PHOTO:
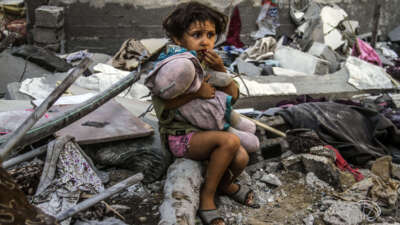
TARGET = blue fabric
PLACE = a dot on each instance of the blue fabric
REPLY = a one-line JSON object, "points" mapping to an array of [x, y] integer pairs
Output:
{"points": [[228, 112], [173, 50]]}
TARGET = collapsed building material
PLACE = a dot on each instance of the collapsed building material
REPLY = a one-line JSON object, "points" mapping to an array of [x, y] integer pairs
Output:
{"points": [[49, 16], [291, 58], [42, 57], [325, 52], [181, 193], [81, 110], [394, 35], [24, 157], [18, 135], [99, 197]]}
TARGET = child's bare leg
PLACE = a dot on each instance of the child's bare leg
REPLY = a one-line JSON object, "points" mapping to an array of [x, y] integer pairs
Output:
{"points": [[219, 148], [237, 166]]}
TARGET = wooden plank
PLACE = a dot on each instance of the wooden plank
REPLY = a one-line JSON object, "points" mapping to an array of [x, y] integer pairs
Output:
{"points": [[120, 124]]}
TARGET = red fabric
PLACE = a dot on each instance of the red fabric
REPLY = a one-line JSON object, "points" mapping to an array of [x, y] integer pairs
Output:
{"points": [[270, 2], [235, 26], [365, 52], [343, 165]]}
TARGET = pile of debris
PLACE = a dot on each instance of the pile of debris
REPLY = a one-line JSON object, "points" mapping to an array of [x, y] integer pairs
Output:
{"points": [[86, 149]]}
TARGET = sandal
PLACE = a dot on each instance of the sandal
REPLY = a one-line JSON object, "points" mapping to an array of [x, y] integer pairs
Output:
{"points": [[210, 216], [242, 195]]}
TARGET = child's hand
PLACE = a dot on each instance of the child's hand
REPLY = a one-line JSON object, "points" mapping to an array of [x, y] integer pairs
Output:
{"points": [[206, 90], [214, 61]]}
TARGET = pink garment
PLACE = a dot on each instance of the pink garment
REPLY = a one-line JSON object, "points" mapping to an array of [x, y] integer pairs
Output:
{"points": [[179, 145], [365, 52]]}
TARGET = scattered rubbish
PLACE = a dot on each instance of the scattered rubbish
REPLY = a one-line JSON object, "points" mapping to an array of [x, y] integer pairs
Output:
{"points": [[267, 20]]}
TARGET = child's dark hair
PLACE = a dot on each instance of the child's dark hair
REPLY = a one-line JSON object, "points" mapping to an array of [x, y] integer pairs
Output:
{"points": [[185, 14]]}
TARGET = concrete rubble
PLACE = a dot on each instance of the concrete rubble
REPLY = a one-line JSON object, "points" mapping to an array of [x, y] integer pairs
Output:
{"points": [[304, 182]]}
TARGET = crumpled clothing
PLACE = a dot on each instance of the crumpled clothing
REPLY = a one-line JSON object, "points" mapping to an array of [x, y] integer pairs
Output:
{"points": [[67, 173], [365, 52], [342, 164], [384, 189], [129, 55], [263, 49], [235, 26], [75, 56], [267, 20]]}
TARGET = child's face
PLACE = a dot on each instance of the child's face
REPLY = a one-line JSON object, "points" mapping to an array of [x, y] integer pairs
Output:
{"points": [[199, 37]]}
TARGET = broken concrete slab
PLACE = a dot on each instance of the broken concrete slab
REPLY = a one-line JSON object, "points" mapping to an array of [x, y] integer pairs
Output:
{"points": [[344, 213], [248, 69], [294, 59], [394, 35], [325, 52], [331, 17], [42, 57], [11, 105], [49, 16], [13, 68], [279, 71], [364, 75], [110, 122], [334, 39], [154, 45], [331, 86], [13, 92]]}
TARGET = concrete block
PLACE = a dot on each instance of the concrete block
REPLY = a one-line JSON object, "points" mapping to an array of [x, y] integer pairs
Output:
{"points": [[56, 47], [49, 16], [294, 59], [248, 68], [48, 35], [334, 39], [394, 35], [331, 17], [325, 52]]}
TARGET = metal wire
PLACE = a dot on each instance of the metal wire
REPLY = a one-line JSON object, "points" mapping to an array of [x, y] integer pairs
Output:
{"points": [[370, 209]]}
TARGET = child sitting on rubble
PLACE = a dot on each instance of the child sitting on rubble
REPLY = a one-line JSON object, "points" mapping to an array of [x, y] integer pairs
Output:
{"points": [[181, 73], [185, 102]]}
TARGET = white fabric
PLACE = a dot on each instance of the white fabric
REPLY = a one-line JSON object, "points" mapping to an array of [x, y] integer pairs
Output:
{"points": [[68, 100]]}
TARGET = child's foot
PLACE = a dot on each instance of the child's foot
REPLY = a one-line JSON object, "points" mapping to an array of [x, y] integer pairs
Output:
{"points": [[242, 194], [211, 217]]}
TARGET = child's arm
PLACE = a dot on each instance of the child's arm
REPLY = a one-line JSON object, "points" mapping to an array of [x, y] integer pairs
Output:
{"points": [[232, 89], [205, 91]]}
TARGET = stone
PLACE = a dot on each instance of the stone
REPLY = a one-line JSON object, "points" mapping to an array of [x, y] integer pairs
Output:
{"points": [[327, 171], [309, 220], [331, 17], [315, 183], [248, 69], [396, 171], [325, 52], [382, 167], [293, 162], [48, 35], [340, 213], [294, 59], [271, 179], [49, 16], [334, 39], [394, 35]]}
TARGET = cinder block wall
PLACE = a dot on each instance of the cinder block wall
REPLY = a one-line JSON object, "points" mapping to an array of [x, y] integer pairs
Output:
{"points": [[102, 25]]}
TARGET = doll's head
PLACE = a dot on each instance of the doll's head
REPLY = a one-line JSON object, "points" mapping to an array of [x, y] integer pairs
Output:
{"points": [[195, 26]]}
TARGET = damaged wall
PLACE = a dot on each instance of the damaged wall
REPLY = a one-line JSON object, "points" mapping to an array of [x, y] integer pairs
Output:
{"points": [[102, 25]]}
